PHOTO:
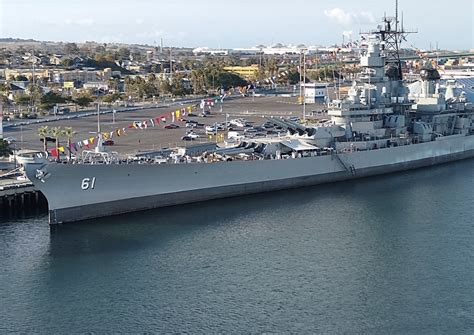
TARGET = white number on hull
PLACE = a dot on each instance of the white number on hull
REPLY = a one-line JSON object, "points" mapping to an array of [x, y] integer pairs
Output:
{"points": [[88, 183]]}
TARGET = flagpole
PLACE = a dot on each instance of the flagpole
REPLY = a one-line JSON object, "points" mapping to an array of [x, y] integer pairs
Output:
{"points": [[99, 147]]}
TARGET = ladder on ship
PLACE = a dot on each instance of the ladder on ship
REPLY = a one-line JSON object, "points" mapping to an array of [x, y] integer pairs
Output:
{"points": [[349, 168]]}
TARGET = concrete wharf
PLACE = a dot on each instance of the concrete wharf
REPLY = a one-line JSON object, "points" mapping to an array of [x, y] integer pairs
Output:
{"points": [[19, 198]]}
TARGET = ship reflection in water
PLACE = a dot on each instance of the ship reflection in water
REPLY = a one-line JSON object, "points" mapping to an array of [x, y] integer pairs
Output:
{"points": [[385, 254]]}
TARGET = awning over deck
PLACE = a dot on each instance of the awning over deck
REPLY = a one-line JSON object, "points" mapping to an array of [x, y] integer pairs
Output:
{"points": [[297, 145]]}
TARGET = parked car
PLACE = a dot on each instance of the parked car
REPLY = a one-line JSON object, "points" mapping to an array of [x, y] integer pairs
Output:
{"points": [[211, 131], [268, 125], [210, 128], [238, 122], [108, 142], [48, 139], [190, 137], [9, 139], [191, 123], [257, 128], [171, 126]]}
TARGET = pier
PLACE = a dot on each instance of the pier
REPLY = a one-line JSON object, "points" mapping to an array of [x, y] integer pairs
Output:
{"points": [[20, 198]]}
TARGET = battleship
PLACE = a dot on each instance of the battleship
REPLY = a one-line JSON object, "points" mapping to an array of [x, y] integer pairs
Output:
{"points": [[379, 128]]}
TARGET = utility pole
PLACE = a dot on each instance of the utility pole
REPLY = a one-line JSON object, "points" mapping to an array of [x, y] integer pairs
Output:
{"points": [[304, 87], [171, 65], [1, 120], [301, 76]]}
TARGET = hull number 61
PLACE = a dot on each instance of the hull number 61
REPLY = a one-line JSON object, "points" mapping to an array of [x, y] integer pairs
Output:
{"points": [[88, 183]]}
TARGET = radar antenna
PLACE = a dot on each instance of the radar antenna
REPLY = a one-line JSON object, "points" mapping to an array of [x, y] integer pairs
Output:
{"points": [[391, 36]]}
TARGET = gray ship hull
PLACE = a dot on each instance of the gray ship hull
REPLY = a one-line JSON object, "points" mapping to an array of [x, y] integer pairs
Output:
{"points": [[121, 188]]}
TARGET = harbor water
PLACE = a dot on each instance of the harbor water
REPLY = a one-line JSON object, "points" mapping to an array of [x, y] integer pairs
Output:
{"points": [[390, 254]]}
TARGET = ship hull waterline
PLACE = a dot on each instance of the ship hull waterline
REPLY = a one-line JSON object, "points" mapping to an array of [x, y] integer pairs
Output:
{"points": [[129, 188]]}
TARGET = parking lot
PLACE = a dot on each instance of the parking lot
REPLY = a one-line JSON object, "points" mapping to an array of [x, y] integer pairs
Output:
{"points": [[253, 109]]}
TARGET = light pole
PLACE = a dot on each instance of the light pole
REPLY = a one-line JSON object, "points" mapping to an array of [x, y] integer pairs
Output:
{"points": [[304, 87], [1, 120], [300, 76]]}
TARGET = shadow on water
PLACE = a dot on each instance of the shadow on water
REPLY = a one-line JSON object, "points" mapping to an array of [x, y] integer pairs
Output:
{"points": [[14, 212], [138, 229], [152, 227]]}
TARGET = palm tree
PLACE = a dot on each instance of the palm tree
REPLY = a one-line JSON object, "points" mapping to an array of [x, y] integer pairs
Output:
{"points": [[113, 84], [57, 132], [44, 132], [68, 133]]}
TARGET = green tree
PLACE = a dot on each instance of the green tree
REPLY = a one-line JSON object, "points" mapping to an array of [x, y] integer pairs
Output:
{"points": [[129, 85], [111, 98], [155, 68], [50, 99], [67, 62], [83, 100], [57, 133], [4, 100], [4, 88], [71, 49], [165, 86], [68, 133], [177, 86], [124, 53], [293, 77], [227, 80], [100, 49], [22, 100], [198, 81], [271, 67], [138, 56], [35, 92], [113, 84], [4, 148], [43, 132]]}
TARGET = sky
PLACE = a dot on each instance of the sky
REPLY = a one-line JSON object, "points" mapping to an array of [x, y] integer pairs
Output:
{"points": [[234, 24]]}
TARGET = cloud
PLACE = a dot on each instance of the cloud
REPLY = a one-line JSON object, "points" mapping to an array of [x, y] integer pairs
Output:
{"points": [[347, 34], [347, 18]]}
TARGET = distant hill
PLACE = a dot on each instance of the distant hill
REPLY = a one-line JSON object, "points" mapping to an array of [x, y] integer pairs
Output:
{"points": [[16, 40]]}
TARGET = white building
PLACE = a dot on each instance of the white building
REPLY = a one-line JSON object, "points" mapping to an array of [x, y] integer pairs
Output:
{"points": [[208, 51], [314, 92]]}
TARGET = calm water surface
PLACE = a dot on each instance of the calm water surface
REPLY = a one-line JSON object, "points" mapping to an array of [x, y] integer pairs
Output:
{"points": [[387, 254]]}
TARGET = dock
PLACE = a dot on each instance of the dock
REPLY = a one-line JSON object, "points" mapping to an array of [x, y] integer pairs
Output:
{"points": [[19, 198]]}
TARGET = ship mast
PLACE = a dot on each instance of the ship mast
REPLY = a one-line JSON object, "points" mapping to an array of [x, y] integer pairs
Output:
{"points": [[391, 35]]}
